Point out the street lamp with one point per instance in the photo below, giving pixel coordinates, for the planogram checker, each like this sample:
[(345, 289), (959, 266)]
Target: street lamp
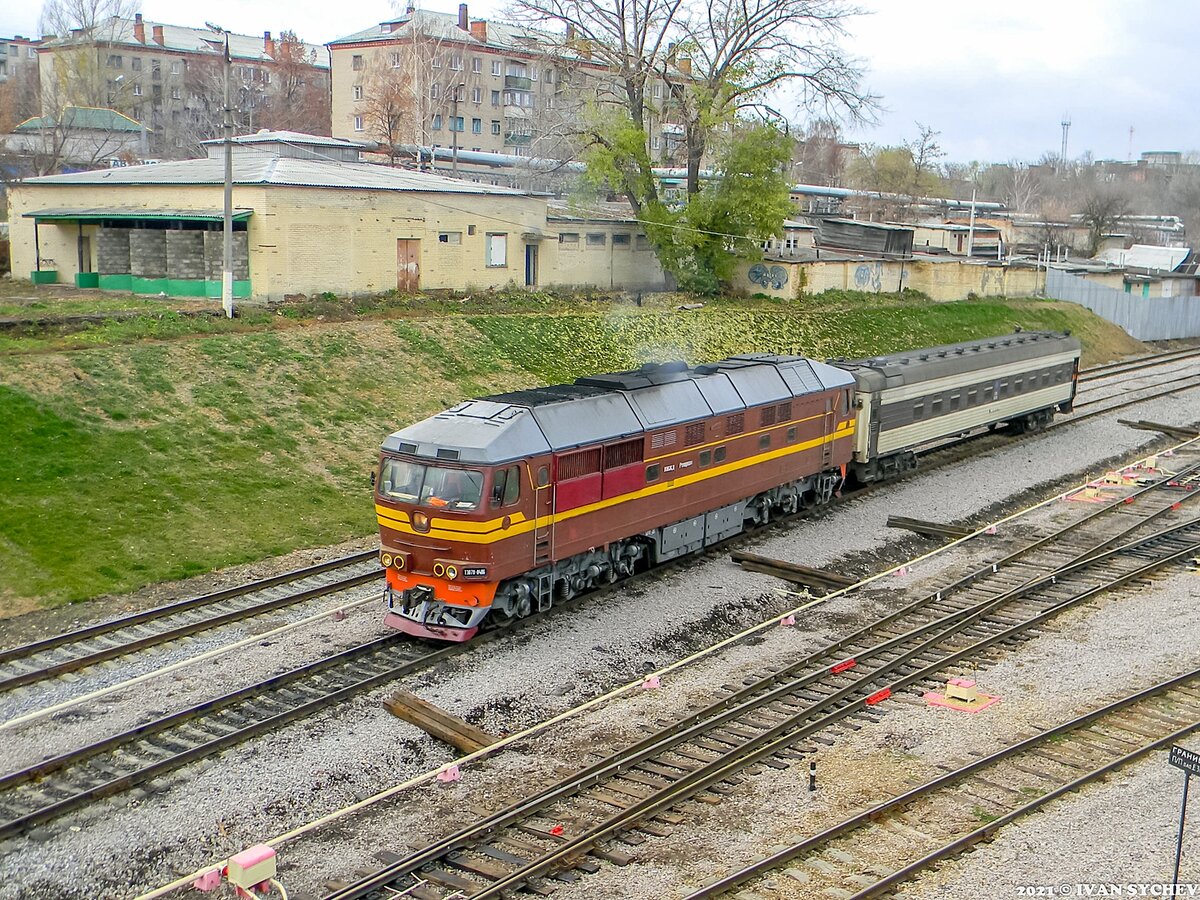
[(227, 262), (454, 131)]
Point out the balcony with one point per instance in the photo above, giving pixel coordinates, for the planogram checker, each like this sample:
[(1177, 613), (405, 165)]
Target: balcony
[(517, 139), (517, 83)]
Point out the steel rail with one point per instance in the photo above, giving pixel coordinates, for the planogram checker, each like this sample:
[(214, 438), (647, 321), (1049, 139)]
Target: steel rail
[(661, 742), (872, 814), (188, 628), (1120, 367)]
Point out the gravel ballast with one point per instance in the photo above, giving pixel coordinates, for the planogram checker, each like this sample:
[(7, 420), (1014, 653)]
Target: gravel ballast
[(311, 768)]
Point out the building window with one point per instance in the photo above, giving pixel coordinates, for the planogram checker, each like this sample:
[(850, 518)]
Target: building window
[(155, 69), (437, 123), (358, 94), (436, 62), (357, 63), (450, 237), (114, 61), (497, 250), (549, 103), (596, 240), (643, 242), (136, 64), (495, 67), (495, 98), (655, 143), (456, 123), (175, 67), (476, 65), (31, 52), (358, 123), (549, 76), (456, 62), (533, 73), (477, 126), (395, 60), (620, 240), (658, 92), (434, 90), (568, 237), (175, 93), (495, 128), (476, 95)]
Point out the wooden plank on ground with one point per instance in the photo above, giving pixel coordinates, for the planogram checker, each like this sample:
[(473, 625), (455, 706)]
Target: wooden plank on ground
[(929, 529), (790, 571), (437, 722)]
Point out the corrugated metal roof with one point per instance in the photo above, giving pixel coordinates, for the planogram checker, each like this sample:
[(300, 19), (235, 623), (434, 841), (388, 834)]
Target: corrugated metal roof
[(279, 171), (1146, 256), (191, 40), (289, 137), (444, 26), (85, 117), (98, 213)]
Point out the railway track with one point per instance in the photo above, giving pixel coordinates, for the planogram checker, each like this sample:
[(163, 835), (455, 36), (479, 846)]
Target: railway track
[(552, 834), (39, 793), (75, 650), (971, 802), (1121, 367)]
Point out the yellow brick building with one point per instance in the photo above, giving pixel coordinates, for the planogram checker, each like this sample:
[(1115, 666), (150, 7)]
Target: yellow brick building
[(308, 220)]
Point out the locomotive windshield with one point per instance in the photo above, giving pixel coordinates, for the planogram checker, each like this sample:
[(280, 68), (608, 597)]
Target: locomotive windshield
[(436, 486)]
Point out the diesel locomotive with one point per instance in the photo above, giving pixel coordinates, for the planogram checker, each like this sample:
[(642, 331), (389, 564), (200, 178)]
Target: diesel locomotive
[(503, 505)]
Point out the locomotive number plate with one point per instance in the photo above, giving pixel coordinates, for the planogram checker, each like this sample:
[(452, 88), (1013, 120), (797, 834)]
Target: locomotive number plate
[(474, 572)]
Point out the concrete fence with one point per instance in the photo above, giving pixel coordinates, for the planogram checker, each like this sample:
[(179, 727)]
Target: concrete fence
[(1145, 318)]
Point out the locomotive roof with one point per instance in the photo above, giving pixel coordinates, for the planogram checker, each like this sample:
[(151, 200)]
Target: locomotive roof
[(914, 366), (508, 426)]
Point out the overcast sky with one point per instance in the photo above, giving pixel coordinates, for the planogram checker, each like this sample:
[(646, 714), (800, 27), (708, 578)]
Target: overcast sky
[(994, 79)]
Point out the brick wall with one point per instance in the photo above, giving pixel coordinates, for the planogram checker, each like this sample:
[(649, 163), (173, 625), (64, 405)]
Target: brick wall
[(112, 251)]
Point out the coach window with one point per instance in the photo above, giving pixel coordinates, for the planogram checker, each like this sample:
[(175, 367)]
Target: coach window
[(954, 399), (705, 458), (1018, 383), (936, 406), (719, 454), (972, 396), (652, 473), (918, 410), (543, 476)]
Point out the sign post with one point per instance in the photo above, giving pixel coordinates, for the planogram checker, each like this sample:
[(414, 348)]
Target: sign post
[(1189, 761)]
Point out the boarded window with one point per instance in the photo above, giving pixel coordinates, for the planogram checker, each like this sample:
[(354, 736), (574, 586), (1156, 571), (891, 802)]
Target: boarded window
[(767, 416), (578, 464), (735, 424), (623, 454), (784, 411), (497, 250), (694, 434), (662, 439)]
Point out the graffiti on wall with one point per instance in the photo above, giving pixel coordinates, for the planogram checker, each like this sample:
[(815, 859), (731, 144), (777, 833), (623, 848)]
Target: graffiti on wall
[(774, 277), (869, 277)]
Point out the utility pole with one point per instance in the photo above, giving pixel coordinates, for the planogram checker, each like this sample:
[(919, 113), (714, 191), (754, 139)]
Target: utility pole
[(971, 227), (227, 261), (454, 132), (1066, 126)]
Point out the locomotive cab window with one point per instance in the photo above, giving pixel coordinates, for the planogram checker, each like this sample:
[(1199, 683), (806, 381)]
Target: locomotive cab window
[(506, 486), (442, 488)]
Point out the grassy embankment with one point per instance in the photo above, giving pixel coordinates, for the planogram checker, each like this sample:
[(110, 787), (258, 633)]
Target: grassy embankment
[(158, 448)]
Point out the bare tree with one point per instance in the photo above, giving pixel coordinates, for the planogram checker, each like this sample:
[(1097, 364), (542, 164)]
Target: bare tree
[(1100, 212), (79, 73), (741, 50), (297, 99), (401, 88)]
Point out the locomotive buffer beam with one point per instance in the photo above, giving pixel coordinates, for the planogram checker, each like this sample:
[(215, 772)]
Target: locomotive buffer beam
[(437, 722), (1175, 431), (791, 572), (929, 529)]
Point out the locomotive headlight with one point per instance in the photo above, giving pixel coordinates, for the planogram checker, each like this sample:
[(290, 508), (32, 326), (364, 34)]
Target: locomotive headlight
[(439, 569), (385, 559), (420, 521), (399, 562), (451, 572)]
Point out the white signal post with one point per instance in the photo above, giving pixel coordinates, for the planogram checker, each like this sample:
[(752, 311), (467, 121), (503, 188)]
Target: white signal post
[(227, 219)]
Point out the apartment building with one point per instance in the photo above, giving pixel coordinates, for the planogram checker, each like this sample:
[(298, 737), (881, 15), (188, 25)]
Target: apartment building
[(170, 77), (17, 54), (437, 80)]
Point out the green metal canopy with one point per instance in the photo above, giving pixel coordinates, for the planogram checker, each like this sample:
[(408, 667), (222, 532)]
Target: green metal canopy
[(96, 215)]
